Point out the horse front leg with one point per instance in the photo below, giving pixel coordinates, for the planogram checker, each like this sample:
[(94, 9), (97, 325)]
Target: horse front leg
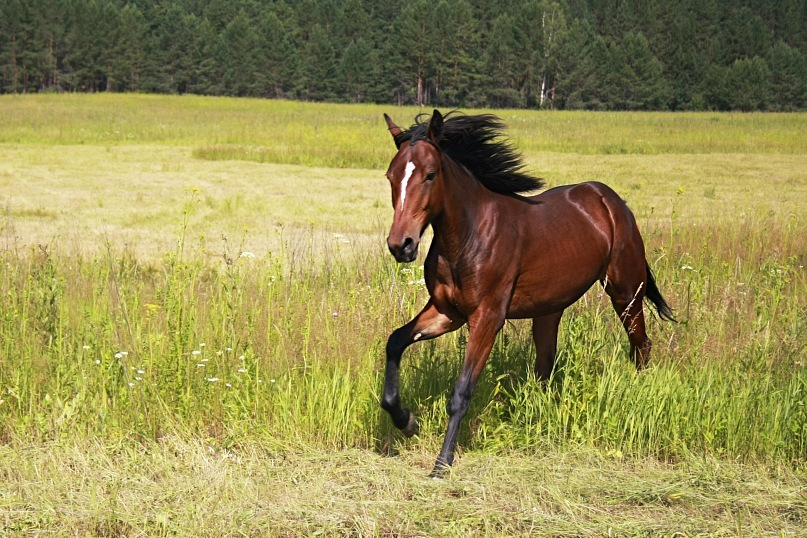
[(480, 342), (428, 324)]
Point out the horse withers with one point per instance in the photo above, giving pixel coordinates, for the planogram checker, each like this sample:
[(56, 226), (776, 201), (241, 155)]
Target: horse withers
[(499, 254)]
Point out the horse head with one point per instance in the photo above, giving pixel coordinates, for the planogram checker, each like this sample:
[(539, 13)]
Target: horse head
[(415, 176)]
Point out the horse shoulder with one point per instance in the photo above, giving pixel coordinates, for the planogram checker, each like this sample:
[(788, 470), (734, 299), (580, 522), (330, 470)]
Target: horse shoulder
[(440, 283)]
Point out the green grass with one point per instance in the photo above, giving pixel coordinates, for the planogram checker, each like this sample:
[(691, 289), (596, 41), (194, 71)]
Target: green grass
[(355, 136), (195, 346)]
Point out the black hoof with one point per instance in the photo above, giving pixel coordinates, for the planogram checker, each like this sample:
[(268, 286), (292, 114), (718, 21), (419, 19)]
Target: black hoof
[(440, 470)]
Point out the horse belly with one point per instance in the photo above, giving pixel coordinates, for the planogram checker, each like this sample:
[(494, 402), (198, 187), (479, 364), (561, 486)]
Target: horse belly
[(546, 299), (556, 278)]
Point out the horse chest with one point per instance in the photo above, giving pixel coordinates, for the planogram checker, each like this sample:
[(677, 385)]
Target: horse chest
[(459, 291)]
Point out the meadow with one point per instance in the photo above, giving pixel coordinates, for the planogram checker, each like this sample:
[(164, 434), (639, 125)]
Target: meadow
[(196, 295)]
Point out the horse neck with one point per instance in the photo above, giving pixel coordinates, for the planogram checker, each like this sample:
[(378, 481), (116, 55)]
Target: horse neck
[(463, 199)]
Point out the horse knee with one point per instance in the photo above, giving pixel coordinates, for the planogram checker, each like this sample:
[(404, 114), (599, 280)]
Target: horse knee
[(396, 343)]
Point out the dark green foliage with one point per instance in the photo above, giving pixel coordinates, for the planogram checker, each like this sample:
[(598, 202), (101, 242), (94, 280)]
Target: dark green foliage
[(594, 54)]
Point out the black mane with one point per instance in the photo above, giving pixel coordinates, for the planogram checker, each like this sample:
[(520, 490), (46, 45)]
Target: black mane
[(476, 142)]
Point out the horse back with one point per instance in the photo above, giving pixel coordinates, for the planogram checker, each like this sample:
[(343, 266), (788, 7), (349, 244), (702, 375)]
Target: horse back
[(569, 235)]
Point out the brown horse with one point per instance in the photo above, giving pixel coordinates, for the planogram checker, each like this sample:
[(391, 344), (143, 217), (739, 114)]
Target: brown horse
[(497, 254)]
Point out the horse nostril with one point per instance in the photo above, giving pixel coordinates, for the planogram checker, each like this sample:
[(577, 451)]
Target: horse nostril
[(403, 252)]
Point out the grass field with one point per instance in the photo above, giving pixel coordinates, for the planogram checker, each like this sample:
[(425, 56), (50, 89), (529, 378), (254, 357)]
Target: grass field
[(196, 295)]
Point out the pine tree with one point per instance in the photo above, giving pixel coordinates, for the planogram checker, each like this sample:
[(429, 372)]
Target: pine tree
[(240, 58), (575, 79), (128, 61), (12, 44), (358, 71), (748, 84), (317, 70), (414, 43), (505, 64), (456, 36), (788, 85), (278, 57), (644, 86)]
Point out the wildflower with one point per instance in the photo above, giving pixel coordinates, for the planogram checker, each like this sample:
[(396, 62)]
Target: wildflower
[(336, 314), (271, 381), (85, 348), (200, 365), (141, 372), (242, 357), (196, 352), (202, 344), (246, 254), (229, 384), (119, 355), (212, 379), (97, 361), (228, 349), (131, 384), (242, 370), (687, 267)]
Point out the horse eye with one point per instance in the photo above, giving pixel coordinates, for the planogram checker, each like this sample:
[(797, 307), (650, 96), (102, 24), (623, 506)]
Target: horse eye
[(430, 176)]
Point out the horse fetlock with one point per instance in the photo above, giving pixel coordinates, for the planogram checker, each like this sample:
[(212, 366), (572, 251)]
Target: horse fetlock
[(411, 427), (441, 468)]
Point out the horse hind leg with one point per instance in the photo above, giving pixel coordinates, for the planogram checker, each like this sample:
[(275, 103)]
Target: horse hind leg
[(545, 336), (627, 302)]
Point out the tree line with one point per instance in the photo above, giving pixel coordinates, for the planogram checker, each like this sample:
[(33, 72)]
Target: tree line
[(563, 54)]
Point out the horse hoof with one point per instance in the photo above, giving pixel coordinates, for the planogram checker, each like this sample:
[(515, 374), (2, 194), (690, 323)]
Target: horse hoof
[(440, 470), (411, 427)]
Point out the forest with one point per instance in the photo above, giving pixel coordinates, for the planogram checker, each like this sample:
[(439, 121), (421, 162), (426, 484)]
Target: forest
[(564, 54)]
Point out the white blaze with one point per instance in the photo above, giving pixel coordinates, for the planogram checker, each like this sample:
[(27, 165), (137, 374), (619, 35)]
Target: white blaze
[(410, 167)]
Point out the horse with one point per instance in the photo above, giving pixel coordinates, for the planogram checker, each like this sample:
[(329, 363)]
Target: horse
[(498, 253)]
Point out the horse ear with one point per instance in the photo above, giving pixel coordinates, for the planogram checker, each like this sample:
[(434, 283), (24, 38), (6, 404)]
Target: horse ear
[(436, 127), (394, 130)]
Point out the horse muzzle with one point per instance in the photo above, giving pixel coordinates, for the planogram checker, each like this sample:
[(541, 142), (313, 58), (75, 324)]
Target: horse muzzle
[(404, 252)]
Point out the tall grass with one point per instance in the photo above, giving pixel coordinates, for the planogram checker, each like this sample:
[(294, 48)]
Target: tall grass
[(286, 347), (289, 351)]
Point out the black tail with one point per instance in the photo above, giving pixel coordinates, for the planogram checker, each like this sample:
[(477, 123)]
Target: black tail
[(654, 296)]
